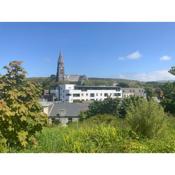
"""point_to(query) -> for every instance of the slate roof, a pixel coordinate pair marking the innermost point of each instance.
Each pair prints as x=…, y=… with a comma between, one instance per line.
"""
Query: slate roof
x=67, y=109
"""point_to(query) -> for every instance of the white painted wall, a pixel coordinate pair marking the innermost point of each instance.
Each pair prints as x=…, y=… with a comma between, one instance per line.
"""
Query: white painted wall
x=67, y=93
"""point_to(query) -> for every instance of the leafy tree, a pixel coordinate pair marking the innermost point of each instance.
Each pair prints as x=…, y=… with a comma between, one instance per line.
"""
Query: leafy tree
x=146, y=118
x=20, y=112
x=149, y=92
x=123, y=85
x=107, y=106
x=168, y=101
x=127, y=102
x=172, y=70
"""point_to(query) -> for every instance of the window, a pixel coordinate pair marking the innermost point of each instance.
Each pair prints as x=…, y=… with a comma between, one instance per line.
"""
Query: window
x=87, y=94
x=69, y=120
x=61, y=112
x=68, y=94
x=117, y=94
x=106, y=94
x=82, y=95
x=92, y=95
x=76, y=95
x=96, y=94
x=101, y=94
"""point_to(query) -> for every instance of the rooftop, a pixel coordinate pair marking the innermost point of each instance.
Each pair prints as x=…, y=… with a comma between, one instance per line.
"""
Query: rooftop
x=68, y=109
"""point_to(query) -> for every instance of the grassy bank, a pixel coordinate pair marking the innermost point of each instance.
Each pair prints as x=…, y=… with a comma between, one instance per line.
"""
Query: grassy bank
x=111, y=135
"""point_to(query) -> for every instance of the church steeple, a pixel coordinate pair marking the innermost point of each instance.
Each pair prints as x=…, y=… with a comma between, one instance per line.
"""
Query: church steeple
x=60, y=59
x=60, y=68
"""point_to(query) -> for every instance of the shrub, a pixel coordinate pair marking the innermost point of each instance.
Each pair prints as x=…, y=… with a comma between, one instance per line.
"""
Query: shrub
x=146, y=118
x=93, y=140
x=127, y=102
x=99, y=119
x=107, y=106
x=134, y=146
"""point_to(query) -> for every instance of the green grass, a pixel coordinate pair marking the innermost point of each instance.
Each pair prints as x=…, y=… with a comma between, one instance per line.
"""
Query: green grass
x=111, y=135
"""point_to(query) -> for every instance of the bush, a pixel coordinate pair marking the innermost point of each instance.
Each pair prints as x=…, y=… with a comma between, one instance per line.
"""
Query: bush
x=134, y=146
x=146, y=118
x=104, y=119
x=93, y=140
x=107, y=106
x=49, y=140
x=126, y=103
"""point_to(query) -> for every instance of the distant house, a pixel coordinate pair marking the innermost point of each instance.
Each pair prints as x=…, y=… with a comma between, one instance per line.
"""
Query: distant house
x=126, y=92
x=64, y=112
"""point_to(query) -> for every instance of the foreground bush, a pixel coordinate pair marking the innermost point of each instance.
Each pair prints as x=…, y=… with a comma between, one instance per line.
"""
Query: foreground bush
x=93, y=140
x=126, y=103
x=146, y=118
x=90, y=136
x=100, y=119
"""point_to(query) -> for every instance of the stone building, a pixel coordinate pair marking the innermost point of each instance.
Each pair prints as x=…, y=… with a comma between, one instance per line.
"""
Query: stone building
x=61, y=76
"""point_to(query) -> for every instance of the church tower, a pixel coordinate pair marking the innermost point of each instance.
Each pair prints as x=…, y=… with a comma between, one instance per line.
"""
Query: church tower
x=60, y=69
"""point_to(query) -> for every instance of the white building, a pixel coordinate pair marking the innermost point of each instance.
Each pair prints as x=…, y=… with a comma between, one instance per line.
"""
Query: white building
x=126, y=92
x=73, y=93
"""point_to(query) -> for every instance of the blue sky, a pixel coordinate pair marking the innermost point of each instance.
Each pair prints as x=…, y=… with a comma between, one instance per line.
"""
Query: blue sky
x=142, y=51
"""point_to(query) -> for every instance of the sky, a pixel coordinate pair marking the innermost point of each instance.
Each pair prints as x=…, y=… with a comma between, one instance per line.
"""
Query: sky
x=138, y=51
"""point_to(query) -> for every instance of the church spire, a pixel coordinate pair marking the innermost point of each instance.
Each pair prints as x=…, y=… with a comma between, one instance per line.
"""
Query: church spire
x=61, y=58
x=60, y=68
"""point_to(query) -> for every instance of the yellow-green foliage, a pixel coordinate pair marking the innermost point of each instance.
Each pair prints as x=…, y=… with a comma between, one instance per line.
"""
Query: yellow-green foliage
x=146, y=118
x=3, y=146
x=93, y=140
x=20, y=112
x=90, y=136
x=134, y=146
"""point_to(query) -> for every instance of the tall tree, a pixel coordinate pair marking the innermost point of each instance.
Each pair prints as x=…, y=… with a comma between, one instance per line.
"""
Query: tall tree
x=172, y=70
x=21, y=115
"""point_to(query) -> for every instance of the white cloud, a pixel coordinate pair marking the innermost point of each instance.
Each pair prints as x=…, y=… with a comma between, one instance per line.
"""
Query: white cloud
x=157, y=75
x=165, y=58
x=132, y=56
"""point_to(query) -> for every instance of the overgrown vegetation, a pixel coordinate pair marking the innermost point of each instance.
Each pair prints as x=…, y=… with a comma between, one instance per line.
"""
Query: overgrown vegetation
x=145, y=128
x=134, y=124
x=110, y=135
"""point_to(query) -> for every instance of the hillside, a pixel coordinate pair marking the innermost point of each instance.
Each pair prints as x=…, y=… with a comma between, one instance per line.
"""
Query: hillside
x=49, y=82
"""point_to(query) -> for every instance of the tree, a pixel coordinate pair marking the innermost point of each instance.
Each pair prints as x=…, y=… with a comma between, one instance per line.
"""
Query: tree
x=146, y=118
x=21, y=115
x=123, y=85
x=126, y=103
x=168, y=101
x=149, y=92
x=172, y=70
x=107, y=106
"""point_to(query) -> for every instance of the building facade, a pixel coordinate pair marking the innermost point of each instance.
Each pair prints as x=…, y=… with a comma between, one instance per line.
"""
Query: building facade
x=126, y=92
x=73, y=93
x=64, y=112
